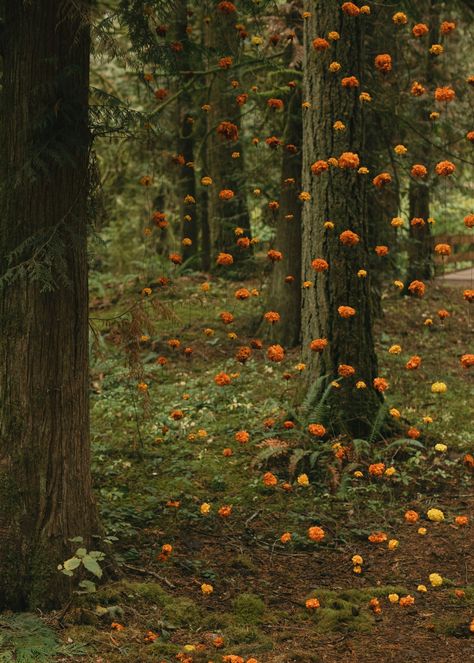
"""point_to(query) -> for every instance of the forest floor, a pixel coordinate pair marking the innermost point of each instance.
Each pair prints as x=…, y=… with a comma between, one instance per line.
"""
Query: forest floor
x=153, y=474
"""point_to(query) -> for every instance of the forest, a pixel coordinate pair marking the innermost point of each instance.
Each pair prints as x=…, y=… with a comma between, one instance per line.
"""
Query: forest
x=236, y=338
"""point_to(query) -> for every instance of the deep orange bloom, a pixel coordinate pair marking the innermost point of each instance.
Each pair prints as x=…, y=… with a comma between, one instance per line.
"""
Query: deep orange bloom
x=444, y=93
x=226, y=7
x=276, y=104
x=418, y=170
x=320, y=44
x=445, y=168
x=377, y=469
x=383, y=63
x=319, y=167
x=272, y=317
x=226, y=194
x=413, y=363
x=420, y=29
x=381, y=250
x=345, y=370
x=274, y=255
x=317, y=430
x=380, y=384
x=346, y=311
x=222, y=379
x=275, y=353
x=349, y=238
x=319, y=265
x=467, y=360
x=411, y=516
x=316, y=533
x=417, y=89
x=349, y=160
x=350, y=82
x=377, y=537
x=447, y=27
x=350, y=9
x=381, y=180
x=224, y=259
x=443, y=249
x=469, y=221
x=417, y=288
x=318, y=344
x=228, y=130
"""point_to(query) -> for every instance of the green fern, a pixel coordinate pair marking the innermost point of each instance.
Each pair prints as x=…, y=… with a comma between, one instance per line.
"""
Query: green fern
x=26, y=639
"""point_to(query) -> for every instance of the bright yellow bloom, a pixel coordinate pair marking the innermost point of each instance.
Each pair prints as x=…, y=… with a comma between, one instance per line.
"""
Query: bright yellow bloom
x=436, y=579
x=436, y=515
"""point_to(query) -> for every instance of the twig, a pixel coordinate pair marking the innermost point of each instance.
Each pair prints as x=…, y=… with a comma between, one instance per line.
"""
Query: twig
x=146, y=572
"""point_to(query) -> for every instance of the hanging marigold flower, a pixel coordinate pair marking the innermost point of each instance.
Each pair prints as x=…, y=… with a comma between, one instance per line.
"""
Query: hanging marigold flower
x=226, y=7
x=362, y=273
x=319, y=167
x=381, y=180
x=345, y=370
x=273, y=142
x=383, y=63
x=225, y=62
x=320, y=44
x=243, y=242
x=319, y=265
x=350, y=9
x=272, y=317
x=420, y=29
x=469, y=221
x=380, y=384
x=333, y=35
x=224, y=259
x=339, y=126
x=226, y=194
x=348, y=160
x=417, y=89
x=275, y=353
x=381, y=250
x=400, y=150
x=365, y=9
x=436, y=49
x=228, y=130
x=318, y=344
x=317, y=430
x=419, y=171
x=349, y=238
x=316, y=533
x=346, y=311
x=161, y=93
x=350, y=82
x=365, y=97
x=447, y=26
x=304, y=196
x=468, y=295
x=417, y=222
x=176, y=258
x=445, y=168
x=467, y=360
x=443, y=249
x=399, y=18
x=444, y=93
x=276, y=104
x=241, y=99
x=334, y=67
x=274, y=256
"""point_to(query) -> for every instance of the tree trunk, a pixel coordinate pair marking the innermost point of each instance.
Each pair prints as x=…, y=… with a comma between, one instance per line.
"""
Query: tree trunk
x=285, y=296
x=420, y=247
x=185, y=143
x=338, y=195
x=227, y=172
x=45, y=480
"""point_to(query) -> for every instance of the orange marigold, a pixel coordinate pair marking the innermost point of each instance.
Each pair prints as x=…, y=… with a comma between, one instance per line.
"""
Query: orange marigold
x=269, y=479
x=224, y=259
x=447, y=26
x=377, y=537
x=349, y=160
x=275, y=353
x=350, y=9
x=272, y=317
x=443, y=249
x=383, y=63
x=228, y=130
x=413, y=363
x=319, y=167
x=445, y=168
x=420, y=29
x=226, y=194
x=467, y=360
x=444, y=93
x=349, y=238
x=346, y=311
x=319, y=265
x=417, y=89
x=411, y=516
x=418, y=170
x=345, y=370
x=274, y=255
x=222, y=379
x=317, y=430
x=377, y=469
x=226, y=317
x=350, y=82
x=226, y=7
x=318, y=344
x=316, y=533
x=381, y=250
x=381, y=180
x=380, y=384
x=320, y=44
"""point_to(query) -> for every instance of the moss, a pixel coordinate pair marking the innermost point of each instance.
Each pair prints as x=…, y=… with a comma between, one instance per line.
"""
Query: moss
x=453, y=625
x=182, y=612
x=248, y=609
x=243, y=562
x=247, y=640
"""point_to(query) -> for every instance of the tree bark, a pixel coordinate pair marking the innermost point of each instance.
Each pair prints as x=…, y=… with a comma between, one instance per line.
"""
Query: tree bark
x=339, y=196
x=185, y=142
x=285, y=296
x=45, y=480
x=227, y=172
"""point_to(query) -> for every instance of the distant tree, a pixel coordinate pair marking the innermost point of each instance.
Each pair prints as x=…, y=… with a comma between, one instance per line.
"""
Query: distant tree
x=284, y=292
x=45, y=478
x=225, y=155
x=338, y=195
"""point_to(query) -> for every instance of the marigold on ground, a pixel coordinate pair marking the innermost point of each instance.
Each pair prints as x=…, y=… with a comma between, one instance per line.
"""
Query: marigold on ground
x=316, y=533
x=318, y=430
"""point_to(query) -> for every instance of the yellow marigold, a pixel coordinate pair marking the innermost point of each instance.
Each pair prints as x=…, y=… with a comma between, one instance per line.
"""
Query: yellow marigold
x=436, y=515
x=439, y=388
x=333, y=35
x=206, y=588
x=395, y=413
x=400, y=149
x=303, y=480
x=399, y=18
x=334, y=67
x=436, y=579
x=365, y=97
